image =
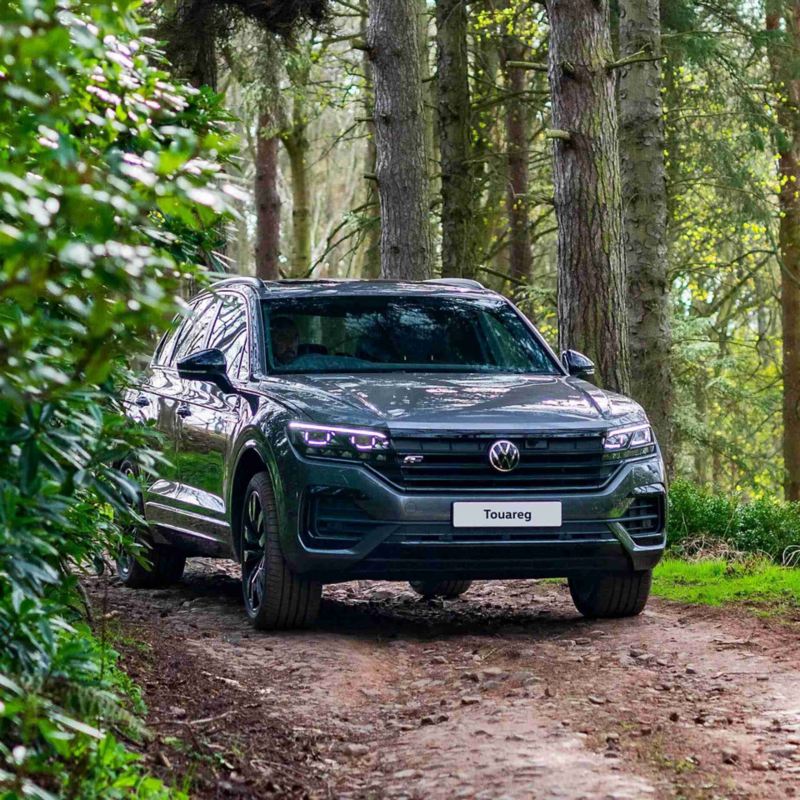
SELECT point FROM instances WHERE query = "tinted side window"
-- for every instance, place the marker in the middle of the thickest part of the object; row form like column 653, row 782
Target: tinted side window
column 229, row 334
column 167, row 343
column 194, row 330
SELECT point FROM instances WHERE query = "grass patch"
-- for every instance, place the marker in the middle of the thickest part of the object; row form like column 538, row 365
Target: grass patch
column 715, row 582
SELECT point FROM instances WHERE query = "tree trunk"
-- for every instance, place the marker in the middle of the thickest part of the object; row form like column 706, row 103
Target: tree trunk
column 784, row 51
column 428, row 93
column 295, row 140
column 297, row 150
column 591, row 268
column 189, row 30
column 267, row 202
column 701, row 448
column 392, row 39
column 372, row 234
column 645, row 217
column 458, row 186
column 520, row 259
column 489, row 179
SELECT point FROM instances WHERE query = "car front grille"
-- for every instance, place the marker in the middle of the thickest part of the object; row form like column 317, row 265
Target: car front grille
column 460, row 463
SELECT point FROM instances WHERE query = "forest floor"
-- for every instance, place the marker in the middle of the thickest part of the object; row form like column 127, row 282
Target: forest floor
column 504, row 693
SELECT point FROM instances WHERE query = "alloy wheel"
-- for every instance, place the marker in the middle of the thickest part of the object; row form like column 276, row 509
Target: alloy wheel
column 254, row 554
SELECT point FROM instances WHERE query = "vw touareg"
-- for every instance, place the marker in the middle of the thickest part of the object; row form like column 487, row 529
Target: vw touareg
column 323, row 431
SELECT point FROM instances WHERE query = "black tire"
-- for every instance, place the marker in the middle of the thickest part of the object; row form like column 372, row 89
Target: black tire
column 611, row 595
column 274, row 597
column 446, row 589
column 165, row 565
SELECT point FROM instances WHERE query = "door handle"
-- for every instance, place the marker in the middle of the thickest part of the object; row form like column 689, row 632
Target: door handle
column 142, row 401
column 184, row 410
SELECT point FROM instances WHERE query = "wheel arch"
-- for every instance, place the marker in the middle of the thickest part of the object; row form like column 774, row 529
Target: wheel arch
column 251, row 461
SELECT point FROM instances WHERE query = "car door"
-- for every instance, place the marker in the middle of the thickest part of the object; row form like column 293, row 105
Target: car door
column 209, row 418
column 164, row 391
column 153, row 401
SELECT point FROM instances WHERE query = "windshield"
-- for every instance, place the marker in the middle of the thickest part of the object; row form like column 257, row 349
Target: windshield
column 408, row 334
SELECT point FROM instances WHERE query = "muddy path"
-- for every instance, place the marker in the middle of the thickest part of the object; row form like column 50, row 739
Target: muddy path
column 504, row 693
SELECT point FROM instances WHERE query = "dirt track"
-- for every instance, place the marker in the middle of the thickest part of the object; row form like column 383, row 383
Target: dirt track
column 505, row 693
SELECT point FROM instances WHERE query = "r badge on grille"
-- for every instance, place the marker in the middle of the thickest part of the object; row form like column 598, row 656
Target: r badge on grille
column 504, row 456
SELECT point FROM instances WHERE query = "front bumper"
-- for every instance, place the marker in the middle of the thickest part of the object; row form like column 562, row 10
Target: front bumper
column 342, row 521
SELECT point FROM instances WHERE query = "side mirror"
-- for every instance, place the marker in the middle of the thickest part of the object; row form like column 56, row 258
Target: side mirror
column 577, row 364
column 207, row 365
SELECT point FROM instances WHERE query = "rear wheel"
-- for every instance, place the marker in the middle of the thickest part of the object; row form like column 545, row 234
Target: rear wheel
column 165, row 567
column 163, row 564
column 274, row 596
column 611, row 595
column 446, row 589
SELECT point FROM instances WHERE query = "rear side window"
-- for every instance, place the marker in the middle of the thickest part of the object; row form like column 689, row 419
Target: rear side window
column 167, row 343
column 194, row 331
column 229, row 334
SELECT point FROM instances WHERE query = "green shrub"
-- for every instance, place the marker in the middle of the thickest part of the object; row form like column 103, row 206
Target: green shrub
column 694, row 512
column 109, row 192
column 699, row 518
column 767, row 526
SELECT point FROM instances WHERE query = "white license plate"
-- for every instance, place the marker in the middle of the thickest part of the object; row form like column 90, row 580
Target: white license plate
column 507, row 515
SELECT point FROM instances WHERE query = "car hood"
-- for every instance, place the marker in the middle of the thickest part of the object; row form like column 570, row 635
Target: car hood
column 461, row 402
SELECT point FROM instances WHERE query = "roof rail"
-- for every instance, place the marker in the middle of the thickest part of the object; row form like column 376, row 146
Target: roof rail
column 464, row 283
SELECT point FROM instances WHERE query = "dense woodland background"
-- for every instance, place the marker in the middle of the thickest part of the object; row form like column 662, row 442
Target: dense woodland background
column 628, row 174
column 640, row 160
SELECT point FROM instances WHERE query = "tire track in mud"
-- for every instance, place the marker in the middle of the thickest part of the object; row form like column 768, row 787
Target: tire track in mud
column 504, row 693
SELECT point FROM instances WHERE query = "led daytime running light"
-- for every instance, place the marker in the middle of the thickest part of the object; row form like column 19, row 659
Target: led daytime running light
column 335, row 438
column 629, row 438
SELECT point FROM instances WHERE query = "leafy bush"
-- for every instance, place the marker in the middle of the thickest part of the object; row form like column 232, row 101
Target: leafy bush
column 109, row 190
column 698, row 518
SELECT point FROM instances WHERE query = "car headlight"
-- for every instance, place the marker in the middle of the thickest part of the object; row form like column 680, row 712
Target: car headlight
column 332, row 441
column 637, row 438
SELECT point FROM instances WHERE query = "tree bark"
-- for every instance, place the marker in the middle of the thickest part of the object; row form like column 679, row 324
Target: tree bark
column 588, row 202
column 392, row 39
column 428, row 94
column 189, row 31
column 784, row 51
column 295, row 140
column 372, row 235
column 520, row 257
column 267, row 202
column 297, row 150
column 489, row 179
column 701, row 448
column 453, row 105
column 645, row 217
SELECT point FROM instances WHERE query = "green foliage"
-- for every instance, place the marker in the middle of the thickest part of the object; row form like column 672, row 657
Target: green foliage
column 723, row 218
column 702, row 521
column 108, row 192
column 754, row 582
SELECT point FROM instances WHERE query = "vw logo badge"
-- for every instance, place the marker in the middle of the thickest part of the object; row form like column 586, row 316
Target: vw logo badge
column 504, row 456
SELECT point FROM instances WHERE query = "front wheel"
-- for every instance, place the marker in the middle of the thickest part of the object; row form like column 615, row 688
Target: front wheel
column 446, row 589
column 274, row 597
column 612, row 594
